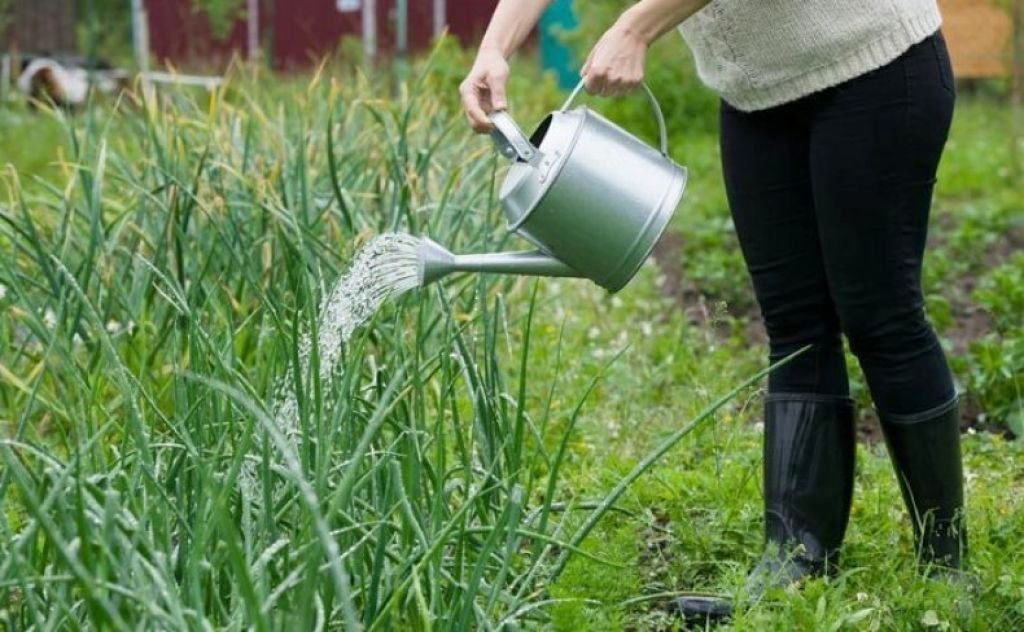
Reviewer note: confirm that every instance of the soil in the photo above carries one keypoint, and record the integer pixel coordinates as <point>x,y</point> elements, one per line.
<point>696,306</point>
<point>970,322</point>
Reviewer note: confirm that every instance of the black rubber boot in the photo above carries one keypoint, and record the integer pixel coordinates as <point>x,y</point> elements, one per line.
<point>809,450</point>
<point>925,451</point>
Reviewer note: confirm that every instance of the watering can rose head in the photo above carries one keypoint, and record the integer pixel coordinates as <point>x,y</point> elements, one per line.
<point>593,199</point>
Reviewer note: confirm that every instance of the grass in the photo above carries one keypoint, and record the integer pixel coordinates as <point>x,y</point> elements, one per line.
<point>31,143</point>
<point>694,522</point>
<point>487,455</point>
<point>155,298</point>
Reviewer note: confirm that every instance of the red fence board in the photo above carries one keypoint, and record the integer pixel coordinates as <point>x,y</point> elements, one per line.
<point>468,18</point>
<point>307,30</point>
<point>300,32</point>
<point>181,36</point>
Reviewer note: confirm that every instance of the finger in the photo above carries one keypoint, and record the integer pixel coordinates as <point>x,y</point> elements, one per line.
<point>619,85</point>
<point>496,86</point>
<point>594,81</point>
<point>471,102</point>
<point>478,126</point>
<point>477,117</point>
<point>620,88</point>
<point>636,79</point>
<point>605,87</point>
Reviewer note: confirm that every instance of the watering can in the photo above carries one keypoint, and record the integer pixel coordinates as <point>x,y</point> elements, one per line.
<point>592,198</point>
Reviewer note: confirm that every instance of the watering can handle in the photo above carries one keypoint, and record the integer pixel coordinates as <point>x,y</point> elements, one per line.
<point>512,143</point>
<point>662,132</point>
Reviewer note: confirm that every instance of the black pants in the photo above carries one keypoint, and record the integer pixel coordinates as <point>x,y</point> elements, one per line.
<point>830,195</point>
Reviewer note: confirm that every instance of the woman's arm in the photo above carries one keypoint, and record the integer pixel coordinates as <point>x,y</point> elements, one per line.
<point>483,90</point>
<point>511,24</point>
<point>616,63</point>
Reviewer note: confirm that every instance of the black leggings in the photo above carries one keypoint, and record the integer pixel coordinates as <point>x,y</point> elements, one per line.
<point>830,195</point>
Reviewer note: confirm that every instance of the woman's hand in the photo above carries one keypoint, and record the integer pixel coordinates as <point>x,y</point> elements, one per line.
<point>616,63</point>
<point>483,89</point>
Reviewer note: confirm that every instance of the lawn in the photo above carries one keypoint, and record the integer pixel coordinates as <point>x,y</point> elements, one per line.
<point>162,261</point>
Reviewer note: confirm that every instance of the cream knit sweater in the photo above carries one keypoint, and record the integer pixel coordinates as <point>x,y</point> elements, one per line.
<point>762,53</point>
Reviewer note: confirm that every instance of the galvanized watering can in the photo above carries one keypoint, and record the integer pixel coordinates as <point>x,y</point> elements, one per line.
<point>591,196</point>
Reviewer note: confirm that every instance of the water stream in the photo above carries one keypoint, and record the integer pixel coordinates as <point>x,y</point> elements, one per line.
<point>386,267</point>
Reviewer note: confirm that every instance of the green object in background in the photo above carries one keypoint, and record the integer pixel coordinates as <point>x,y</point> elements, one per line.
<point>554,54</point>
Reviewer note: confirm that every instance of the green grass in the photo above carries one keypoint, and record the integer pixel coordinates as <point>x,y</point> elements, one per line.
<point>695,520</point>
<point>30,144</point>
<point>162,261</point>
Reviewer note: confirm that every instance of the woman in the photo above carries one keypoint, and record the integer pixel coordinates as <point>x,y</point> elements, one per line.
<point>833,117</point>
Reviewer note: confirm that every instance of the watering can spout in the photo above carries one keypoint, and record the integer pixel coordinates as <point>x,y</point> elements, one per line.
<point>436,262</point>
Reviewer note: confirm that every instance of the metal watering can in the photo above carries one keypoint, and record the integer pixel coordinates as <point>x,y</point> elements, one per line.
<point>592,197</point>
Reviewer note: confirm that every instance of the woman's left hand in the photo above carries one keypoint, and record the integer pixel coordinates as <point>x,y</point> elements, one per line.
<point>616,63</point>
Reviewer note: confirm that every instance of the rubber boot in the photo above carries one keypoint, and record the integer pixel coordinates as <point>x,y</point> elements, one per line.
<point>925,451</point>
<point>809,450</point>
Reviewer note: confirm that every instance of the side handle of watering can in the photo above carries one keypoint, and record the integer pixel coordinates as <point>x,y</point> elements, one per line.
<point>511,142</point>
<point>662,131</point>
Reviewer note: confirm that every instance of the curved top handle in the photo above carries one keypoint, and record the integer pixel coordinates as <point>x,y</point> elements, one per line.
<point>662,132</point>
<point>512,143</point>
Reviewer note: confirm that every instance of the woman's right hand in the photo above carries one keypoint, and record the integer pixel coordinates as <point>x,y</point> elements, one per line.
<point>483,89</point>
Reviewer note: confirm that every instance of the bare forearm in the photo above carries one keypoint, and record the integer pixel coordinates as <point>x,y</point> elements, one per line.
<point>650,19</point>
<point>615,65</point>
<point>511,24</point>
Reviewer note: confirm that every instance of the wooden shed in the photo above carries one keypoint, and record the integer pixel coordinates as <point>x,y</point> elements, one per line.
<point>979,34</point>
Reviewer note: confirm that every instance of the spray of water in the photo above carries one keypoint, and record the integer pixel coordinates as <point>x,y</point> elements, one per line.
<point>386,267</point>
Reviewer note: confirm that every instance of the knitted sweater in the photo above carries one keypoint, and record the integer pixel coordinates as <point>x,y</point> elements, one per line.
<point>760,53</point>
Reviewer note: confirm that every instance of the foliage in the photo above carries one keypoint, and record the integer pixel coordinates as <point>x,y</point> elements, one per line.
<point>221,14</point>
<point>103,30</point>
<point>689,107</point>
<point>997,359</point>
<point>159,293</point>
<point>152,312</point>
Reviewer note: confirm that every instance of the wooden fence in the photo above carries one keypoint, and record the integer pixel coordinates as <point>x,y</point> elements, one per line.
<point>980,36</point>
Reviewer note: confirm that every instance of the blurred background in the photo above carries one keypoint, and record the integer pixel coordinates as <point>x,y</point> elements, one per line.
<point>203,37</point>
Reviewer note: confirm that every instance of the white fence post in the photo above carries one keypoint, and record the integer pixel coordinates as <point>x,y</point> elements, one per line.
<point>440,17</point>
<point>370,29</point>
<point>140,35</point>
<point>252,23</point>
